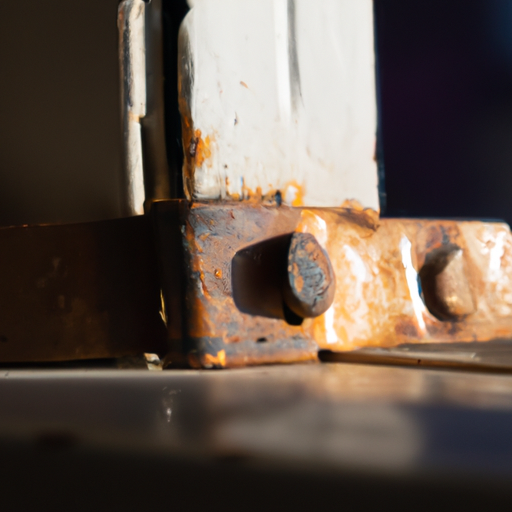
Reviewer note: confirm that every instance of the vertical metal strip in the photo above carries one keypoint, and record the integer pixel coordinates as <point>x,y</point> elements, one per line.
<point>156,167</point>
<point>132,54</point>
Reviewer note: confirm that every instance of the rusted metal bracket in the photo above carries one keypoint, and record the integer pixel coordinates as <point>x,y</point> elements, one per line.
<point>247,278</point>
<point>79,291</point>
<point>247,283</point>
<point>239,291</point>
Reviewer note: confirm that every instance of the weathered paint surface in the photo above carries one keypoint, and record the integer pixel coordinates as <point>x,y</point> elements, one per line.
<point>278,101</point>
<point>378,300</point>
<point>132,56</point>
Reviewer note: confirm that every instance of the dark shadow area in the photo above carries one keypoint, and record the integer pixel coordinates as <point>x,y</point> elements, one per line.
<point>446,107</point>
<point>60,136</point>
<point>173,13</point>
<point>63,475</point>
<point>257,276</point>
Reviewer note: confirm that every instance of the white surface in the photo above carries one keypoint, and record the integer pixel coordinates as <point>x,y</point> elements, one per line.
<point>133,79</point>
<point>285,91</point>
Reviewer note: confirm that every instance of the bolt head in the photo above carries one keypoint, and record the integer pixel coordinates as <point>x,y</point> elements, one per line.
<point>310,283</point>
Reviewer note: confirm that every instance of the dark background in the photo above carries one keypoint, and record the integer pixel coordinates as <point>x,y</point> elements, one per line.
<point>445,102</point>
<point>60,134</point>
<point>446,106</point>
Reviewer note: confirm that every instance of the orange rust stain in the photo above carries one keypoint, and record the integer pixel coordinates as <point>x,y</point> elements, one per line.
<point>298,200</point>
<point>218,273</point>
<point>376,310</point>
<point>373,309</point>
<point>310,247</point>
<point>258,196</point>
<point>361,214</point>
<point>206,293</point>
<point>202,148</point>
<point>186,138</point>
<point>355,206</point>
<point>244,84</point>
<point>311,222</point>
<point>196,150</point>
<point>218,360</point>
<point>352,204</point>
<point>201,324</point>
<point>248,195</point>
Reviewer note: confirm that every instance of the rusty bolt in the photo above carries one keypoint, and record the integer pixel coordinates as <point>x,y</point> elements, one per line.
<point>310,282</point>
<point>288,277</point>
<point>445,285</point>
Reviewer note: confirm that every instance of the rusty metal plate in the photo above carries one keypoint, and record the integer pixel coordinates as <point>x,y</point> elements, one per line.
<point>397,281</point>
<point>493,356</point>
<point>79,291</point>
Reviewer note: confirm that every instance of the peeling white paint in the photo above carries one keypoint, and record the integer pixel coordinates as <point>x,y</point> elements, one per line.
<point>285,89</point>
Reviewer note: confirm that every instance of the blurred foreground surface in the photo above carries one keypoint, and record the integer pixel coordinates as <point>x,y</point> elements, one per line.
<point>288,437</point>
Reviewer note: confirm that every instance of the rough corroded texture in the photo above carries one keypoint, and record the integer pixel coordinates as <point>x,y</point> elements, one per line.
<point>288,277</point>
<point>310,281</point>
<point>199,295</point>
<point>377,302</point>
